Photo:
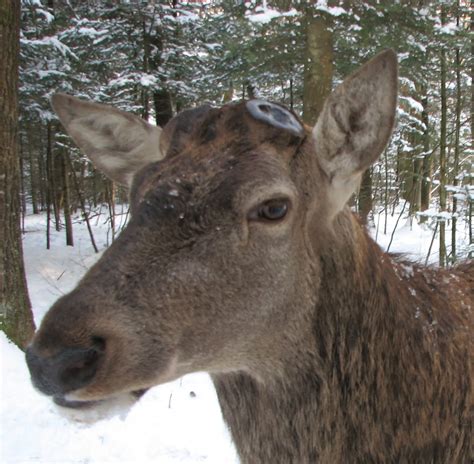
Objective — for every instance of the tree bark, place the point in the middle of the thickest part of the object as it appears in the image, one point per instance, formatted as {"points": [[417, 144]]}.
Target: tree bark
{"points": [[51, 176], [33, 181], [318, 66], [365, 196], [16, 318], [67, 199], [442, 152], [471, 241], [456, 143], [427, 161]]}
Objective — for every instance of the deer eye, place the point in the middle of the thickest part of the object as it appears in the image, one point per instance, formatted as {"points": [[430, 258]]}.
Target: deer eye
{"points": [[271, 210]]}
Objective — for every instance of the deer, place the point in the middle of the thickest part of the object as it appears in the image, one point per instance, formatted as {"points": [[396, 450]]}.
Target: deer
{"points": [[242, 259]]}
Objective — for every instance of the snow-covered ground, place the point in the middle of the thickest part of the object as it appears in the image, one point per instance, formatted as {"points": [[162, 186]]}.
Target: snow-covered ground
{"points": [[179, 422]]}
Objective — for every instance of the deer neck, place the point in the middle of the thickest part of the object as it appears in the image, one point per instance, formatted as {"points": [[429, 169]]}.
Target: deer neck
{"points": [[342, 394], [299, 415]]}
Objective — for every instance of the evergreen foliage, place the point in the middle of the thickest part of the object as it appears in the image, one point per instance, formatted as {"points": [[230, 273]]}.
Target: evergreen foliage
{"points": [[155, 58]]}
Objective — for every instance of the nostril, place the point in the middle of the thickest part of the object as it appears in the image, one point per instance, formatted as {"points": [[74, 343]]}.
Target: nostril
{"points": [[68, 370], [78, 367], [99, 344]]}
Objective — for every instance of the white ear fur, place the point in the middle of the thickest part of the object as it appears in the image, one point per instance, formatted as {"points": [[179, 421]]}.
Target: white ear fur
{"points": [[118, 143], [355, 125]]}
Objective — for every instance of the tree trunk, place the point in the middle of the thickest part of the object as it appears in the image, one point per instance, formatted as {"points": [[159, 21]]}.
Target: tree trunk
{"points": [[33, 181], [66, 199], [457, 133], [82, 204], [163, 107], [318, 65], [472, 123], [405, 174], [16, 318], [415, 200], [22, 193], [43, 187], [51, 176], [251, 91], [291, 94], [427, 163], [442, 152], [110, 195], [365, 196]]}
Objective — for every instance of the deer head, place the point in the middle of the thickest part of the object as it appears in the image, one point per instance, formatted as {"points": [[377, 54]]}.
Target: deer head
{"points": [[218, 269]]}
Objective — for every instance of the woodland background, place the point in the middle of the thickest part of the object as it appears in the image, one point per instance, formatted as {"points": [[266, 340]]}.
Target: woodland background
{"points": [[155, 58]]}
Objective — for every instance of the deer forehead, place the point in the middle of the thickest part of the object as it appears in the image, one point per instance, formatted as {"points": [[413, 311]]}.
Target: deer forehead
{"points": [[222, 150]]}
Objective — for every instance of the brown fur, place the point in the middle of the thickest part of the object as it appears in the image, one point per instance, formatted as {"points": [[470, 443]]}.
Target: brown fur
{"points": [[321, 347]]}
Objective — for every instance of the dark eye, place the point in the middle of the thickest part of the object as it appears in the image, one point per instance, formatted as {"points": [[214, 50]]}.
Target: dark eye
{"points": [[271, 210]]}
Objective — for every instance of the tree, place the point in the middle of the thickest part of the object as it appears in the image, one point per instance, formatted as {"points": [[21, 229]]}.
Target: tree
{"points": [[442, 151], [16, 317], [318, 64]]}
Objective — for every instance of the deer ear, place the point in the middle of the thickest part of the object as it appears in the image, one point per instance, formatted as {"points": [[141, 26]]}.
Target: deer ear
{"points": [[118, 143], [355, 125]]}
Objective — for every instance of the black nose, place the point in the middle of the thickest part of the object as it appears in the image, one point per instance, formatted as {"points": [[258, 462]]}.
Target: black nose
{"points": [[69, 370]]}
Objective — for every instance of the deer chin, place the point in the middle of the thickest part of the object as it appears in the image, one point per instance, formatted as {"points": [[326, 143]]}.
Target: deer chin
{"points": [[69, 401], [91, 411], [77, 406]]}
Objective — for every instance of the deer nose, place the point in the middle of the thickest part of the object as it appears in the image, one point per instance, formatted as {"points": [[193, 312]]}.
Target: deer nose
{"points": [[69, 370]]}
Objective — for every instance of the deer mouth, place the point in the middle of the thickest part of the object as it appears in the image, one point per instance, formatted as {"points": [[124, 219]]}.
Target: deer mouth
{"points": [[65, 402]]}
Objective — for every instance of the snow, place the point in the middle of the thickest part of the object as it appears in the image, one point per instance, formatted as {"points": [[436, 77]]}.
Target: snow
{"points": [[148, 80], [46, 14], [412, 103], [91, 32], [51, 42], [413, 239], [450, 28], [322, 5], [179, 422], [265, 15], [405, 81]]}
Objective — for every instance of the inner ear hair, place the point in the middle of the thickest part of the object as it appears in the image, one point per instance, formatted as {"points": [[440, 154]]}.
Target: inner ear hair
{"points": [[356, 123], [118, 143]]}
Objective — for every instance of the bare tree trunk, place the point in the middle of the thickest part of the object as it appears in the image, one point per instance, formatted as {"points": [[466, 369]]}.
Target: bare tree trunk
{"points": [[405, 174], [291, 94], [66, 199], [415, 200], [456, 144], [83, 205], [471, 241], [22, 193], [427, 162], [16, 318], [318, 65], [365, 196], [51, 176], [33, 181], [110, 193], [146, 57], [163, 107], [42, 184], [442, 152], [161, 97]]}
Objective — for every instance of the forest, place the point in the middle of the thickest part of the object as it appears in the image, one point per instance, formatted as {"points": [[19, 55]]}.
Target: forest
{"points": [[155, 58]]}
